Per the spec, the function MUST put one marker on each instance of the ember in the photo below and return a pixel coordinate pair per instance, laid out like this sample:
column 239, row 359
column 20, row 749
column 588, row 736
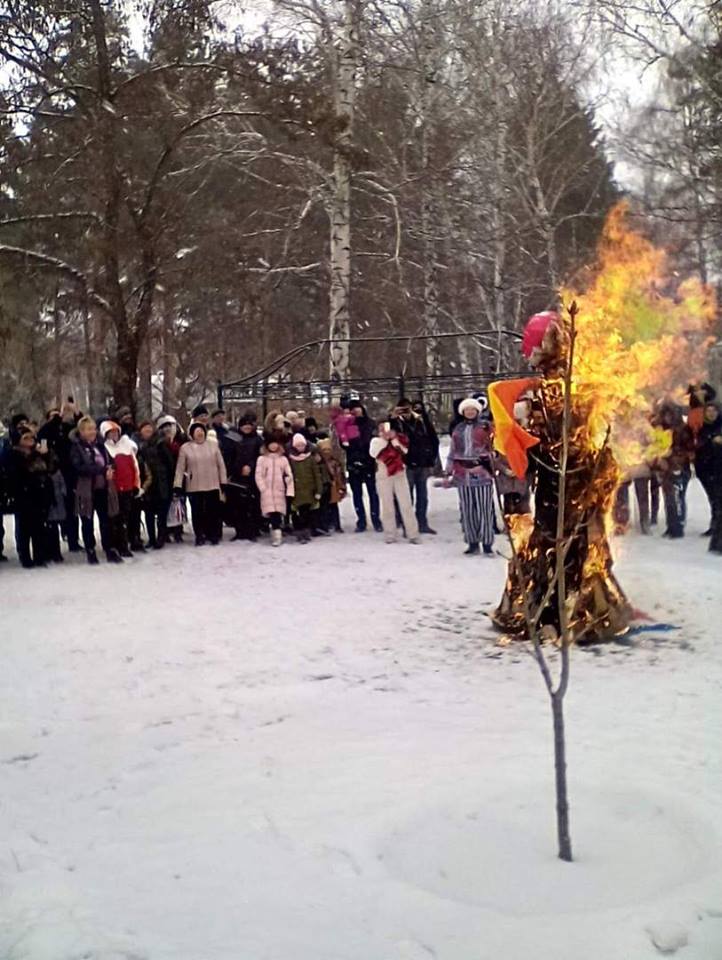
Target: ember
column 636, row 337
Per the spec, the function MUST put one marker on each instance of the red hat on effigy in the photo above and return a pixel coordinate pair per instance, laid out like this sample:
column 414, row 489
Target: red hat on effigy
column 535, row 329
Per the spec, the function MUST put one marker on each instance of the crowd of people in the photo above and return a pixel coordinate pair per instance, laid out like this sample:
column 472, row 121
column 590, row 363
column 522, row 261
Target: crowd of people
column 76, row 476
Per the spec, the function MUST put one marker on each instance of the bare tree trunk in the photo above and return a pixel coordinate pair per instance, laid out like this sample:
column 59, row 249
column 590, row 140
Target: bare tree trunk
column 429, row 207
column 345, row 67
column 560, row 777
column 57, row 350
column 145, row 381
column 94, row 397
column 169, row 374
column 126, row 359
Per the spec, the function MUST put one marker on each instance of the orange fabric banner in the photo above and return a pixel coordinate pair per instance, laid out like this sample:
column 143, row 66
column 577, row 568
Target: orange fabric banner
column 510, row 439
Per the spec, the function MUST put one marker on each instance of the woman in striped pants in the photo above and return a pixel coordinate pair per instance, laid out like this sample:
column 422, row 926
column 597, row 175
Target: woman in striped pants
column 470, row 468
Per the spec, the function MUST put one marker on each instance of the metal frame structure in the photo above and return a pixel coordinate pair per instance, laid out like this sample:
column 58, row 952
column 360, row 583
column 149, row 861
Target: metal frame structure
column 276, row 381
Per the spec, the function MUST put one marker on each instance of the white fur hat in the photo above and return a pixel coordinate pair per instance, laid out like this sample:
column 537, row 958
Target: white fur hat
column 299, row 442
column 478, row 405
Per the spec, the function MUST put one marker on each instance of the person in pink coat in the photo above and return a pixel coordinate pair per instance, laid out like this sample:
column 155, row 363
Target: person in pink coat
column 274, row 479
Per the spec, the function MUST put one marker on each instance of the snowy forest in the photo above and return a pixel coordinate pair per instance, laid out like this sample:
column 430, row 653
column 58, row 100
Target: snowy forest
column 188, row 188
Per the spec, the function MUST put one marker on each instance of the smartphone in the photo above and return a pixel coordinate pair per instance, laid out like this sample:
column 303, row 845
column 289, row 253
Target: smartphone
column 386, row 427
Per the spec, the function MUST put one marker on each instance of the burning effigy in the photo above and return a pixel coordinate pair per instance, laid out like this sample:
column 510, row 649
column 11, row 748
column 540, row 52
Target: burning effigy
column 637, row 337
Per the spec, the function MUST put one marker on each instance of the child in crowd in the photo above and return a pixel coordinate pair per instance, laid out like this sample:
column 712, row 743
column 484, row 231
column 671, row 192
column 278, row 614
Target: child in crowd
column 274, row 479
column 307, row 487
column 57, row 514
column 344, row 425
column 334, row 486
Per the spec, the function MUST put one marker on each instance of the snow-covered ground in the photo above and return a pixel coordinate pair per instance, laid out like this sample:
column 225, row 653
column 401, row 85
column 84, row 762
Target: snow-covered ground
column 319, row 753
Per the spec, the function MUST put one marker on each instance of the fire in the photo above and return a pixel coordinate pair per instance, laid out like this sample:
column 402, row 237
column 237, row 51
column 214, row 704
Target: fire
column 641, row 335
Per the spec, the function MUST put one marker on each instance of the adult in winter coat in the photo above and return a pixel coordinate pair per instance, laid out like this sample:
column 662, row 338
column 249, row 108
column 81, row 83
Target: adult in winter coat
column 675, row 466
column 202, row 469
column 700, row 394
column 422, row 455
column 361, row 469
column 243, row 497
column 32, row 493
column 275, row 424
column 122, row 452
column 95, row 493
column 708, row 465
column 200, row 415
column 7, row 442
column 58, row 432
column 307, row 484
column 389, row 450
column 274, row 479
column 471, row 470
column 173, row 438
column 158, row 463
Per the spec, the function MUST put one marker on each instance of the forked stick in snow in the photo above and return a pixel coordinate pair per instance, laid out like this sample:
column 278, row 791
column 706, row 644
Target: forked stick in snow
column 556, row 689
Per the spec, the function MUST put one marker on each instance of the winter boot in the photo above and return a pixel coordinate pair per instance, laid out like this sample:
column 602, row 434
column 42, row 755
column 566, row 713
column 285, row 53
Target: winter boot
column 488, row 549
column 92, row 558
column 276, row 538
column 112, row 556
column 427, row 529
column 472, row 550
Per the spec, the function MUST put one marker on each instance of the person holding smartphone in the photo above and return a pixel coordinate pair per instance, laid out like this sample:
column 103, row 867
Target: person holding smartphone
column 389, row 450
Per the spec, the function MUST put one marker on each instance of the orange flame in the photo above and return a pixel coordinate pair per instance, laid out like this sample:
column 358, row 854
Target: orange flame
column 641, row 335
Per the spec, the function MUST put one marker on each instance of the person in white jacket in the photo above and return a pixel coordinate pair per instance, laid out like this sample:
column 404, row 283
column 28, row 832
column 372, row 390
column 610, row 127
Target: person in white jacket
column 389, row 450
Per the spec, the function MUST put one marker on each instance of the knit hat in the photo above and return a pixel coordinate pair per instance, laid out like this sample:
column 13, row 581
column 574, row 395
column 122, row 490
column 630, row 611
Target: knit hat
column 197, row 426
column 299, row 441
column 247, row 419
column 123, row 412
column 291, row 415
column 165, row 420
column 106, row 426
column 471, row 403
column 200, row 411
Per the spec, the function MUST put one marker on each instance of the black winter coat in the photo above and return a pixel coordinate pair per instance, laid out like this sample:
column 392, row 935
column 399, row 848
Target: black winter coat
column 57, row 434
column 159, row 459
column 247, row 452
column 708, row 458
column 83, row 460
column 358, row 458
column 423, row 441
column 31, row 483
